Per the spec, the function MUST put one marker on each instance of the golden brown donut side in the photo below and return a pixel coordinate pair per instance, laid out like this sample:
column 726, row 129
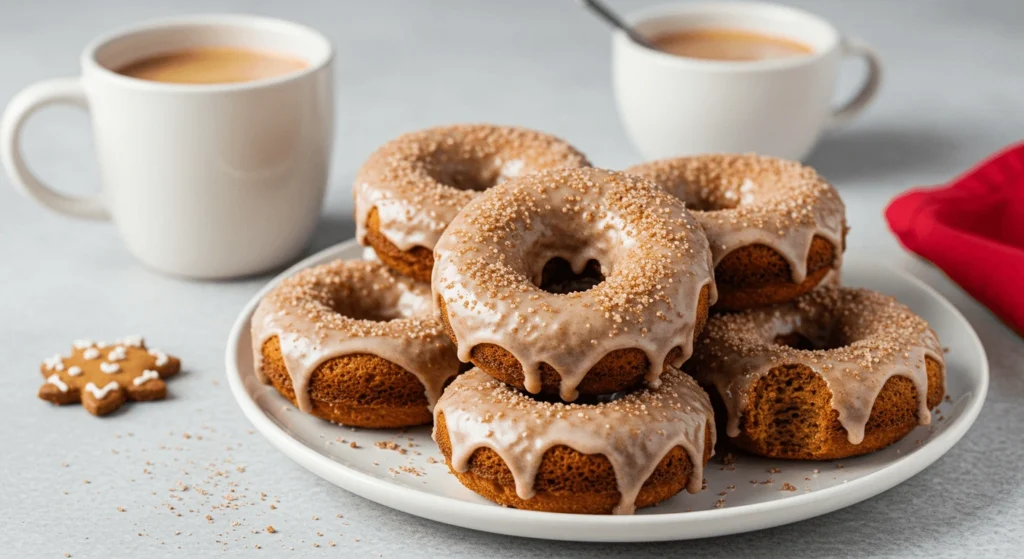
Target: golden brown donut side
column 569, row 481
column 618, row 370
column 756, row 275
column 790, row 415
column 357, row 390
column 416, row 263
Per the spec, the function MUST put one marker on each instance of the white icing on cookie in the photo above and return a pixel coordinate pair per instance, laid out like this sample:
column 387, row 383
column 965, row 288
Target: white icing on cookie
column 54, row 379
column 82, row 344
column 101, row 393
column 110, row 368
column 133, row 340
column 74, row 370
column 161, row 357
column 145, row 377
column 91, row 353
column 54, row 363
column 117, row 354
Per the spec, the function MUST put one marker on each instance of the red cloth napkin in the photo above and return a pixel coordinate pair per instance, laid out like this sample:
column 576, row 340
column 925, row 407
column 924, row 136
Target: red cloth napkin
column 973, row 229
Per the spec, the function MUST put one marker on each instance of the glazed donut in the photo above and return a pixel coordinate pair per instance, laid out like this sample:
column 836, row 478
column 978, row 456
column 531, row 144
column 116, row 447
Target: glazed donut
column 776, row 228
column 354, row 343
column 836, row 373
column 610, row 456
column 411, row 188
column 494, row 263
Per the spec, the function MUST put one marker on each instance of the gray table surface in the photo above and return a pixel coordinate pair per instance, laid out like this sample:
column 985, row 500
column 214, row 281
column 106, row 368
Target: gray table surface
column 952, row 94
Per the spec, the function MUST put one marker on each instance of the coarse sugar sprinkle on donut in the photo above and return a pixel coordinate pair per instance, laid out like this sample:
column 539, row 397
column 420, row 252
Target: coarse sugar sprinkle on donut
column 656, row 265
column 356, row 309
column 777, row 221
column 411, row 187
column 856, row 340
column 545, row 444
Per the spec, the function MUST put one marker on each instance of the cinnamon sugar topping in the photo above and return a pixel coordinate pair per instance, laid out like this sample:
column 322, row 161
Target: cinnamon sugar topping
column 743, row 200
column 420, row 180
column 489, row 263
column 352, row 307
column 633, row 432
column 877, row 338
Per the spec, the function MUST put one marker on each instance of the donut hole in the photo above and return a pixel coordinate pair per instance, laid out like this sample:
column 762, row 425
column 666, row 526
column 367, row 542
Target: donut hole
column 559, row 278
column 713, row 195
column 475, row 175
column 704, row 201
column 582, row 399
column 818, row 339
column 363, row 309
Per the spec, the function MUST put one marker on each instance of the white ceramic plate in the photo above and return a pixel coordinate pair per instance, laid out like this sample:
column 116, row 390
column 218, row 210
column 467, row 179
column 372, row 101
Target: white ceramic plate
column 416, row 481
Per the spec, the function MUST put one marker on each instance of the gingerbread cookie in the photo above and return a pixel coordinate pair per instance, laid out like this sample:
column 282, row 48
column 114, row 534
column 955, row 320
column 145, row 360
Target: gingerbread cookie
column 103, row 376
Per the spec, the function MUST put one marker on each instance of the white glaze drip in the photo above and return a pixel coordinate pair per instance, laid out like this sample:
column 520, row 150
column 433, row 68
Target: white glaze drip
column 304, row 313
column 488, row 264
column 404, row 179
column 883, row 339
column 763, row 201
column 406, row 222
column 634, row 432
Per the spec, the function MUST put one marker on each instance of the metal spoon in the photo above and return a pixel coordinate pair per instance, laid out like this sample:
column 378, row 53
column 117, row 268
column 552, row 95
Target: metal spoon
column 611, row 17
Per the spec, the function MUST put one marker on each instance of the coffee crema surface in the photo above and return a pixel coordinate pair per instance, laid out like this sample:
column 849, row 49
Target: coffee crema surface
column 728, row 44
column 212, row 65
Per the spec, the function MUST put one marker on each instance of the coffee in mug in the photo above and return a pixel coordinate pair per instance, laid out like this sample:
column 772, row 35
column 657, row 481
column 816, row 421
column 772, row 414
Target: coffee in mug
column 213, row 65
column 728, row 44
column 734, row 77
column 214, row 164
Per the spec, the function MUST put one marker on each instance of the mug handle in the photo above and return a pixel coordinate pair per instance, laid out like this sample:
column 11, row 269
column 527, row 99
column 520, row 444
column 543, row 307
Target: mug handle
column 852, row 46
column 34, row 97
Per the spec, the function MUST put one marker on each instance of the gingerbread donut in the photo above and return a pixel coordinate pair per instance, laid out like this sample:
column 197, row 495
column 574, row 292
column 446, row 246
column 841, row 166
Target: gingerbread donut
column 354, row 343
column 838, row 372
column 412, row 187
column 503, row 282
column 596, row 458
column 776, row 228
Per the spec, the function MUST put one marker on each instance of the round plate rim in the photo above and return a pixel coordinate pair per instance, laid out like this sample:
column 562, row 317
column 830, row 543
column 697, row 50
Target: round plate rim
column 501, row 520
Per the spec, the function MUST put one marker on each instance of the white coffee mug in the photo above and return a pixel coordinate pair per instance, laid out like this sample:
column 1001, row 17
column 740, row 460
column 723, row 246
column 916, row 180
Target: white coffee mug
column 673, row 106
column 203, row 181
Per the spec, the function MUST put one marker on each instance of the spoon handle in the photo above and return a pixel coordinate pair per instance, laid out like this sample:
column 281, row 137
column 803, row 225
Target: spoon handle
column 611, row 17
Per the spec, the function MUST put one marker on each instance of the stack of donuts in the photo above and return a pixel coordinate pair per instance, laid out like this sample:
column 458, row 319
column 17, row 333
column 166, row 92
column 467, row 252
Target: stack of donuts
column 573, row 333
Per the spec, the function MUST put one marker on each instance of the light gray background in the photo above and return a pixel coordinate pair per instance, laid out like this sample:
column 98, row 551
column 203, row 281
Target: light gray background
column 951, row 95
